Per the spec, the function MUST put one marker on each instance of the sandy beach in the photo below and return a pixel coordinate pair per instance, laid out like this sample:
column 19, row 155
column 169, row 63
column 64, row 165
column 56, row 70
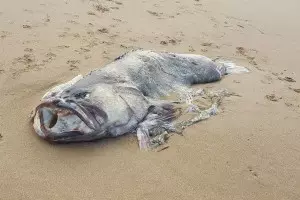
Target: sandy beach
column 251, row 150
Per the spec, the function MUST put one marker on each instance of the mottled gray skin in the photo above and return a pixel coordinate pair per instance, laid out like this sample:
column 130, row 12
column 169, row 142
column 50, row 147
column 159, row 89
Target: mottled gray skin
column 123, row 97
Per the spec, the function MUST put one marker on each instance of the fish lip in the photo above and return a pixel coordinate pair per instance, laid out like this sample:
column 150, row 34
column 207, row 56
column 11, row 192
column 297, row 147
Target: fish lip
column 77, row 137
column 79, row 110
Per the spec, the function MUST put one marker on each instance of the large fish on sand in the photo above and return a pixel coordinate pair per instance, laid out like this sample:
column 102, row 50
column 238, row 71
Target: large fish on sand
column 125, row 97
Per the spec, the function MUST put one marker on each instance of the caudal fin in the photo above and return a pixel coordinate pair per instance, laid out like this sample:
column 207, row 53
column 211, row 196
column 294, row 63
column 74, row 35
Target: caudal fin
column 228, row 67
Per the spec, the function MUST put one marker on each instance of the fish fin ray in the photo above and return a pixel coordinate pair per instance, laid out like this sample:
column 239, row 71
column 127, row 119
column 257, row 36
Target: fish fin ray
column 227, row 67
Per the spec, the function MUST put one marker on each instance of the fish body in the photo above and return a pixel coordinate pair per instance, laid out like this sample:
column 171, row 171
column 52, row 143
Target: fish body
column 124, row 97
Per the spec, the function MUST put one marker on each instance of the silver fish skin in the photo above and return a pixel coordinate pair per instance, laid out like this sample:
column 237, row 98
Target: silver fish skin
column 124, row 97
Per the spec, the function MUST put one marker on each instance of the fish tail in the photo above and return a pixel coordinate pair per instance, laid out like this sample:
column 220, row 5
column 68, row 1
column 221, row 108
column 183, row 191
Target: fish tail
column 228, row 67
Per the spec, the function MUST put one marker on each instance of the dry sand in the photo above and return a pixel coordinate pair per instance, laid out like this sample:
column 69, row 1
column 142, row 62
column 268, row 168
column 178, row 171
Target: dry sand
column 249, row 151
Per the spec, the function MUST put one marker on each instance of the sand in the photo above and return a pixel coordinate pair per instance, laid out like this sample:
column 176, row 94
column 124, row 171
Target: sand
column 251, row 150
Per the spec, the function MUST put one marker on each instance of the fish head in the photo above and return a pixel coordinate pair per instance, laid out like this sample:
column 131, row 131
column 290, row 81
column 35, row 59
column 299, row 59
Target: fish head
column 64, row 120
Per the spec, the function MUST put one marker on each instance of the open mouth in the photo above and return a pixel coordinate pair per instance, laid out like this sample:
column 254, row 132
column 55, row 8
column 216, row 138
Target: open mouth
column 57, row 120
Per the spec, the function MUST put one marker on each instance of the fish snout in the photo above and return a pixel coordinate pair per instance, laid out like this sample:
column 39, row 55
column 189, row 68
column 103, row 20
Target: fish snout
column 57, row 120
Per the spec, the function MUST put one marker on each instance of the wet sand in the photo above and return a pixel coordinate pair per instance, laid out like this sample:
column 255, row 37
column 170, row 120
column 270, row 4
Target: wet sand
column 251, row 150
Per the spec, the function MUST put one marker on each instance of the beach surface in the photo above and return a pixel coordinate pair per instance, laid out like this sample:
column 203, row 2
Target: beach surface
column 250, row 150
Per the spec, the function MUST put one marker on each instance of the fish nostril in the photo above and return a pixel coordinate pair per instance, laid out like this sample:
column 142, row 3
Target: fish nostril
column 53, row 120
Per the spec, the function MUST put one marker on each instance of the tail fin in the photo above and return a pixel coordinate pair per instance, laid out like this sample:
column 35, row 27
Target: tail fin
column 228, row 67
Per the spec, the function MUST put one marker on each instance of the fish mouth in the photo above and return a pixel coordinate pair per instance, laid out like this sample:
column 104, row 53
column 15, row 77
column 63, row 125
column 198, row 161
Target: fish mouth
column 58, row 120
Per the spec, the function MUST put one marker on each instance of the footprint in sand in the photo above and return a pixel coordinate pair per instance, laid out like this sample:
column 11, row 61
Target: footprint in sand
column 102, row 30
column 246, row 23
column 29, row 50
column 26, row 26
column 105, row 55
column 250, row 169
column 273, row 97
column 124, row 46
column 208, row 45
column 100, row 8
column 247, row 53
column 4, row 34
column 172, row 41
column 49, row 57
column 155, row 13
column 91, row 13
column 92, row 44
column 118, row 20
column 191, row 49
column 63, row 46
column 241, row 50
column 288, row 104
column 72, row 22
column 26, row 63
column 295, row 90
column 215, row 22
column 90, row 33
column 2, row 71
column 87, row 57
column 47, row 18
column 65, row 34
column 82, row 50
column 73, row 67
column 25, row 59
column 62, row 35
column 118, row 3
column 107, row 43
column 287, row 79
column 236, row 26
column 113, row 36
column 132, row 40
column 76, row 35
column 28, row 11
column 73, row 64
column 268, row 80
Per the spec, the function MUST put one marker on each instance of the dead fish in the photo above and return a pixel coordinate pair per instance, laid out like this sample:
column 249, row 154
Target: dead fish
column 124, row 97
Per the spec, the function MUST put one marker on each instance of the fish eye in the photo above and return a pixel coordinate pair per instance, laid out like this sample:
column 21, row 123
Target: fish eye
column 81, row 95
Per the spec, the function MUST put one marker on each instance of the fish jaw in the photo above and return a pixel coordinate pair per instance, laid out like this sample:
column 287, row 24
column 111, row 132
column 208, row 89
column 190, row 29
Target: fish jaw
column 59, row 121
